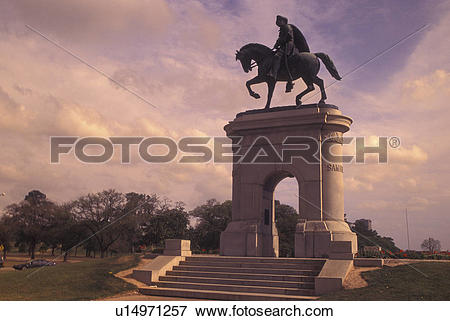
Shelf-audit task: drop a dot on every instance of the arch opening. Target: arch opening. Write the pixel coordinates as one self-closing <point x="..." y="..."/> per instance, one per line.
<point x="281" y="210"/>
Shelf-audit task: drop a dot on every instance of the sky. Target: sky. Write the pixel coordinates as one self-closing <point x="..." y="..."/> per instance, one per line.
<point x="179" y="55"/>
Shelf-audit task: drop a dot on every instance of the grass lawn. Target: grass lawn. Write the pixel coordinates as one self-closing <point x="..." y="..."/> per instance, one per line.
<point x="68" y="281"/>
<point x="402" y="283"/>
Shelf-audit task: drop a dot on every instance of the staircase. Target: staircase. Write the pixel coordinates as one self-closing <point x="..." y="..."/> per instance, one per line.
<point x="239" y="278"/>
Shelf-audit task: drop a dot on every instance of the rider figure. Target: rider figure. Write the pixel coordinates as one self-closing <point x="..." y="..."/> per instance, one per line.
<point x="289" y="38"/>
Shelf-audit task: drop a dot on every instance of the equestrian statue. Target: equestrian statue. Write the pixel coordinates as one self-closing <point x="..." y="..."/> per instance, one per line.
<point x="289" y="60"/>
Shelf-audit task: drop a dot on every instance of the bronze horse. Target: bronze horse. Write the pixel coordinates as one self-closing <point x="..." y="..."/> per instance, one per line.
<point x="303" y="65"/>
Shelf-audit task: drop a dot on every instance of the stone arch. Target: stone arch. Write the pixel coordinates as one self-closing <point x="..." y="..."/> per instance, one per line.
<point x="274" y="177"/>
<point x="252" y="231"/>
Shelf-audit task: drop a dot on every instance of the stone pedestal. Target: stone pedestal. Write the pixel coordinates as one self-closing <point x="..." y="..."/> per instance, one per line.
<point x="326" y="238"/>
<point x="177" y="247"/>
<point x="270" y="146"/>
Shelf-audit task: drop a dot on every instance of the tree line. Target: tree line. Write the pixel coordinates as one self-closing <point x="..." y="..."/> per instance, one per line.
<point x="369" y="237"/>
<point x="112" y="222"/>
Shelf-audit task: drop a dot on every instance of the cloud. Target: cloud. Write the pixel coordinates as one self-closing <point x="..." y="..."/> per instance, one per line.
<point x="413" y="204"/>
<point x="206" y="31"/>
<point x="13" y="114"/>
<point x="179" y="56"/>
<point x="426" y="89"/>
<point x="9" y="173"/>
<point x="403" y="155"/>
<point x="356" y="184"/>
<point x="61" y="119"/>
<point x="99" y="21"/>
<point x="411" y="105"/>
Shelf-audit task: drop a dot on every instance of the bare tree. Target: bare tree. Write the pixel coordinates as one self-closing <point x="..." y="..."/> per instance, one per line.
<point x="66" y="231"/>
<point x="31" y="219"/>
<point x="6" y="235"/>
<point x="168" y="223"/>
<point x="212" y="217"/>
<point x="102" y="214"/>
<point x="140" y="208"/>
<point x="431" y="245"/>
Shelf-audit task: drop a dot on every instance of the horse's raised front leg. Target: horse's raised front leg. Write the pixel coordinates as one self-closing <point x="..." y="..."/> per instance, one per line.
<point x="271" y="87"/>
<point x="253" y="81"/>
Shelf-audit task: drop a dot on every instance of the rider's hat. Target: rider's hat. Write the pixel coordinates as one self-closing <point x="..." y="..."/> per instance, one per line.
<point x="281" y="18"/>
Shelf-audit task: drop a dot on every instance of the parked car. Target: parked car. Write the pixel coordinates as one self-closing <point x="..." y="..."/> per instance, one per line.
<point x="33" y="264"/>
<point x="20" y="266"/>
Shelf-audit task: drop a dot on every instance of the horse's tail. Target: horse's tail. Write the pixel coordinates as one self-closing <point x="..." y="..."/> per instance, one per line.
<point x="329" y="64"/>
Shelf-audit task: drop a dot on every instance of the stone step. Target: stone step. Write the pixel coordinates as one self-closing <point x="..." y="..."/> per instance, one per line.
<point x="231" y="281"/>
<point x="306" y="266"/>
<point x="220" y="295"/>
<point x="299" y="272"/>
<point x="222" y="275"/>
<point x="234" y="288"/>
<point x="205" y="258"/>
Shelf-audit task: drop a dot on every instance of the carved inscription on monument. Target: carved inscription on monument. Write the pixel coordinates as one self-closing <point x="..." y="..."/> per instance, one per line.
<point x="334" y="168"/>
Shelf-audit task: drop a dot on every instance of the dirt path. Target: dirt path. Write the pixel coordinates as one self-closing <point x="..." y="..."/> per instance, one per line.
<point x="354" y="280"/>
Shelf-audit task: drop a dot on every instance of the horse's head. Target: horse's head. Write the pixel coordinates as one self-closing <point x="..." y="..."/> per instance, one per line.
<point x="246" y="61"/>
<point x="252" y="52"/>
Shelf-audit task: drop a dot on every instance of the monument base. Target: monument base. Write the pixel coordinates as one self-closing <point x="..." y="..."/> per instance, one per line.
<point x="246" y="238"/>
<point x="325" y="239"/>
<point x="269" y="147"/>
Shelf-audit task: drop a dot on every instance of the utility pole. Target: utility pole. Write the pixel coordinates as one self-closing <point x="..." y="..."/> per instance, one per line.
<point x="407" y="227"/>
